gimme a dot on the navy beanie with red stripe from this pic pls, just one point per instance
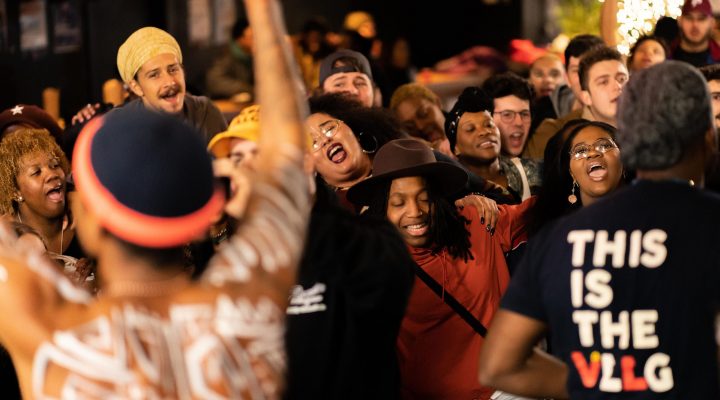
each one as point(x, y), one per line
point(150, 168)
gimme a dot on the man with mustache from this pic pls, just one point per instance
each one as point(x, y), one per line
point(150, 64)
point(695, 44)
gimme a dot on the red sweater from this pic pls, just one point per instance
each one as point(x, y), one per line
point(437, 349)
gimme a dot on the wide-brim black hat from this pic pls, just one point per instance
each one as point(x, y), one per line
point(408, 157)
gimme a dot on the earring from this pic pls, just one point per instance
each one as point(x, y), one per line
point(572, 199)
point(19, 199)
point(368, 143)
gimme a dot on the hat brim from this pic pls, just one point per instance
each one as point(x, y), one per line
point(447, 178)
point(219, 145)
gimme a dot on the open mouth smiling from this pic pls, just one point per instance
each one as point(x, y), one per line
point(336, 153)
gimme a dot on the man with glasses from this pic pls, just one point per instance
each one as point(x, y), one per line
point(511, 96)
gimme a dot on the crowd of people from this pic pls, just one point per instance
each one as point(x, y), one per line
point(546, 237)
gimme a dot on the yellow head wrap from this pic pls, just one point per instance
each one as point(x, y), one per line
point(144, 44)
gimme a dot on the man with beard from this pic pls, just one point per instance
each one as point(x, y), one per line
point(695, 44)
point(150, 63)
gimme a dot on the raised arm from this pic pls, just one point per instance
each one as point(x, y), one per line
point(270, 238)
point(609, 22)
point(283, 107)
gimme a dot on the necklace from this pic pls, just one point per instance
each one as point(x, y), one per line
point(62, 230)
point(145, 288)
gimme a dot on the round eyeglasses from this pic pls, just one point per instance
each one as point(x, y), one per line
point(508, 116)
point(325, 131)
point(582, 151)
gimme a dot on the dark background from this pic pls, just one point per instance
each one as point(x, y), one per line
point(436, 30)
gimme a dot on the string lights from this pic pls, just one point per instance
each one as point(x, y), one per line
point(637, 17)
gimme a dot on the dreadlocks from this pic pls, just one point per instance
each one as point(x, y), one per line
point(447, 226)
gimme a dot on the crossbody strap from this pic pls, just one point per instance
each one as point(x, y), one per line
point(450, 300)
point(523, 177)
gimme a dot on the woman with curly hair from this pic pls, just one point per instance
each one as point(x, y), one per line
point(345, 136)
point(33, 188)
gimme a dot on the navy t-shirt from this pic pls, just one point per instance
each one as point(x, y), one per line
point(629, 289)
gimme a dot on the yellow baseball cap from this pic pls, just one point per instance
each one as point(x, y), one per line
point(245, 125)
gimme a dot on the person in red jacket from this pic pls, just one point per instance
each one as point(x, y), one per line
point(456, 252)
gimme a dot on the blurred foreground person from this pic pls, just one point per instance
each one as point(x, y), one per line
point(145, 187)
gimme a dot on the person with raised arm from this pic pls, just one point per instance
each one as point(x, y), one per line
point(145, 187)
